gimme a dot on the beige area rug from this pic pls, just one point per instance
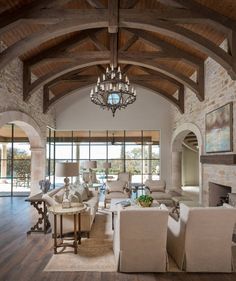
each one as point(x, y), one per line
point(94, 254)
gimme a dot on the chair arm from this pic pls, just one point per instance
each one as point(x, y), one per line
point(148, 189)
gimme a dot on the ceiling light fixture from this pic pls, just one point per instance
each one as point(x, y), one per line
point(113, 91)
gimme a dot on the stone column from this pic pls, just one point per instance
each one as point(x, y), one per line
point(176, 169)
point(4, 163)
point(38, 160)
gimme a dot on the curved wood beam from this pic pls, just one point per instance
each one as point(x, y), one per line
point(149, 22)
point(156, 90)
point(128, 18)
point(139, 62)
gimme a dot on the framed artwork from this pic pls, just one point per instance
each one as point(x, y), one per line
point(219, 129)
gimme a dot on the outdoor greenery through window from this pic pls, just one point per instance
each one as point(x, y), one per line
point(15, 161)
point(137, 152)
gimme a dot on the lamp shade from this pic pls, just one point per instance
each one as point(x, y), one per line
point(106, 165)
point(90, 164)
point(66, 169)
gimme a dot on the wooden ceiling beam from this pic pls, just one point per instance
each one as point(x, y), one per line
point(100, 46)
point(129, 43)
point(162, 76)
point(165, 46)
point(10, 19)
point(218, 20)
point(128, 18)
point(113, 14)
point(59, 96)
point(40, 82)
point(114, 49)
point(97, 18)
point(96, 4)
point(129, 4)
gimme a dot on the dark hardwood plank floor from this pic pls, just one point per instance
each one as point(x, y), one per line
point(23, 257)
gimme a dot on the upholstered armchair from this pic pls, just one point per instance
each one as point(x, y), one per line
point(157, 189)
point(139, 242)
point(201, 240)
point(116, 189)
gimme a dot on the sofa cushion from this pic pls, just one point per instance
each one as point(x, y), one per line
point(116, 195)
point(161, 195)
point(156, 185)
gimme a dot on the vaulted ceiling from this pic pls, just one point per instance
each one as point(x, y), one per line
point(160, 44)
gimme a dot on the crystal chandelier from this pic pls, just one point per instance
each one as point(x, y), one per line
point(113, 91)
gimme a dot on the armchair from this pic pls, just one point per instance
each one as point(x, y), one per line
point(139, 242)
point(121, 188)
point(201, 240)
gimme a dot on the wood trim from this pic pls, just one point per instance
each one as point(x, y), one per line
point(113, 16)
point(219, 159)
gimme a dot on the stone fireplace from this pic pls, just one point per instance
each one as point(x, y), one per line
point(218, 194)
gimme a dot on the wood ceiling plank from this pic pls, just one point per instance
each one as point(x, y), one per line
point(129, 4)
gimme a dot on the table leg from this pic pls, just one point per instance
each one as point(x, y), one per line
point(55, 234)
point(79, 228)
point(75, 235)
point(112, 217)
point(61, 226)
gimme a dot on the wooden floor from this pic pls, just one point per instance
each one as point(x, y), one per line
point(23, 257)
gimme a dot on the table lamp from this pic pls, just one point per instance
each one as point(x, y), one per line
point(106, 166)
point(66, 169)
point(91, 164)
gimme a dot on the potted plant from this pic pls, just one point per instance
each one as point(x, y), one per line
point(145, 200)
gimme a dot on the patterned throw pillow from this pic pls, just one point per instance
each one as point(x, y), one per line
point(59, 196)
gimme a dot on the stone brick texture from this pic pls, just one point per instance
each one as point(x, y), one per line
point(219, 90)
point(11, 96)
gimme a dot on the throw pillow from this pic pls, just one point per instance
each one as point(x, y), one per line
point(116, 186)
point(49, 200)
point(59, 196)
point(78, 195)
point(83, 194)
point(156, 185)
point(73, 198)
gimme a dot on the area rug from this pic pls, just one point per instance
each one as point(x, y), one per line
point(94, 254)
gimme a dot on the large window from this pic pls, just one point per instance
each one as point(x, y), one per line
point(135, 151)
point(15, 161)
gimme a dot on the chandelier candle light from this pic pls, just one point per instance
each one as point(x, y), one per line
point(113, 91)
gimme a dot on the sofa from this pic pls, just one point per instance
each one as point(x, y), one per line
point(201, 240)
point(91, 199)
point(157, 189)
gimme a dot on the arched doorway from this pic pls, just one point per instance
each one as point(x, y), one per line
point(180, 144)
point(37, 145)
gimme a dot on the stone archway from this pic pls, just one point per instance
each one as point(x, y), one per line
point(176, 149)
point(37, 144)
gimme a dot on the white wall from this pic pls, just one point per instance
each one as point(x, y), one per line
point(149, 112)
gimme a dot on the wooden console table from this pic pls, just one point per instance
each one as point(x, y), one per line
point(42, 225)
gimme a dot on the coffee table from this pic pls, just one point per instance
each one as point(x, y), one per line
point(114, 205)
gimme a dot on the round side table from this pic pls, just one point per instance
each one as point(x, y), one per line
point(75, 211)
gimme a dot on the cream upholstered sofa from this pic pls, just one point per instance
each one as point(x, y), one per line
point(55, 197)
point(119, 188)
point(157, 189)
point(139, 242)
point(201, 240)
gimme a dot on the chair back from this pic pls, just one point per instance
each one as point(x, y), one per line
point(208, 238)
point(142, 235)
point(125, 176)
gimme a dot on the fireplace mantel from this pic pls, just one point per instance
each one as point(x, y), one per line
point(220, 159)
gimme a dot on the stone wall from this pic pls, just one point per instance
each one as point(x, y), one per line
point(11, 96)
point(219, 90)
